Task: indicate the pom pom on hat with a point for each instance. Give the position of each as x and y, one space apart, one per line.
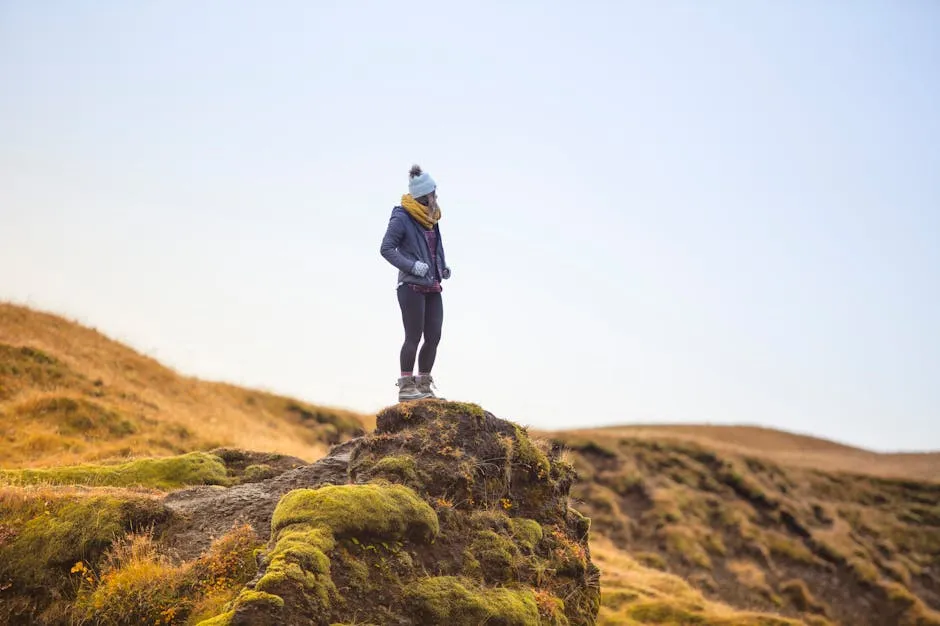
421 183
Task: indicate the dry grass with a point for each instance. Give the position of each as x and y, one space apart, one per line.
634 594
44 531
791 528
69 394
749 532
753 577
140 585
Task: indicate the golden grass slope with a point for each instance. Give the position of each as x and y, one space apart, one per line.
816 546
69 394
635 594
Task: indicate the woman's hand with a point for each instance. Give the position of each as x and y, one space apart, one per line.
446 274
420 269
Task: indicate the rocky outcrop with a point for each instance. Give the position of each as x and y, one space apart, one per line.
445 514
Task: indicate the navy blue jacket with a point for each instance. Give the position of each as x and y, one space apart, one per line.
404 243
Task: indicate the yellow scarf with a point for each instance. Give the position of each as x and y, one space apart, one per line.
420 212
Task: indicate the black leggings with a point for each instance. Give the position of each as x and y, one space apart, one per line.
421 313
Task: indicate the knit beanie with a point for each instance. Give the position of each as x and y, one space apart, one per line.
421 183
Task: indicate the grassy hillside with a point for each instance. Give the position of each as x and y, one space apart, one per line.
819 546
690 524
444 515
69 394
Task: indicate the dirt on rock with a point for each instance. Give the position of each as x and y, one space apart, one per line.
206 512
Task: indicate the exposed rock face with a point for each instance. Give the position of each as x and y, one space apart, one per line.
444 515
206 512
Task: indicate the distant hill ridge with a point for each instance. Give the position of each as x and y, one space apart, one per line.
781 446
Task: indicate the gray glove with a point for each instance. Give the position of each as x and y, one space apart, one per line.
420 269
446 273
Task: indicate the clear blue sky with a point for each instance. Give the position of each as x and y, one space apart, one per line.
723 212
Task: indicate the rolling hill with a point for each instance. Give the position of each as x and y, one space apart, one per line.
70 394
819 545
101 447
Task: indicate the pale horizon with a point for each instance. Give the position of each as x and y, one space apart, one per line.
656 213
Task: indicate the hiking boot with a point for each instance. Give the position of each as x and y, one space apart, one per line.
424 383
407 390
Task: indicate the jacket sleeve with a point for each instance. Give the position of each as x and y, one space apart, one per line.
394 235
445 272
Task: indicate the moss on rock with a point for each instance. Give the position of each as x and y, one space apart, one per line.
527 532
48 533
528 455
496 554
305 527
389 511
54 533
139 584
219 620
459 602
195 468
451 516
401 466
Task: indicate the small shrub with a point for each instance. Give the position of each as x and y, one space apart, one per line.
528 455
800 597
683 542
651 559
258 472
51 532
138 585
551 608
787 547
751 577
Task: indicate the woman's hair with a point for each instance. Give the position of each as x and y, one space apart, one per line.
415 171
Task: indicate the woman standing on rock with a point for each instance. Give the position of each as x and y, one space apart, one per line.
412 243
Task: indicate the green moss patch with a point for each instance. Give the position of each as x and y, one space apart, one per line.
389 511
453 515
400 466
459 602
305 526
195 468
51 533
137 584
529 456
219 620
497 556
527 532
46 534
